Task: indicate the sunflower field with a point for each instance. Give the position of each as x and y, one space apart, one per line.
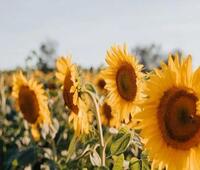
119 116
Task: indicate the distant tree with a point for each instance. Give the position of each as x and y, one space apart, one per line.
44 57
151 56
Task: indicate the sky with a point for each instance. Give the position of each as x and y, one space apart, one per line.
87 28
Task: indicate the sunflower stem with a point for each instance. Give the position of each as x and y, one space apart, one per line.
99 125
54 150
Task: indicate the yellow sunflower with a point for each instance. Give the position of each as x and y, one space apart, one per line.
100 83
170 119
68 76
108 115
123 79
32 102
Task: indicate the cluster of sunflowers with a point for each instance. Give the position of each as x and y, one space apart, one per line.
117 118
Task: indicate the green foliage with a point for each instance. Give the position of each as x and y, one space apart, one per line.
135 164
72 147
118 162
15 157
120 142
90 87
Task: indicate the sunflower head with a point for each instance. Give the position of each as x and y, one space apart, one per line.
123 79
170 119
68 76
108 115
100 84
31 101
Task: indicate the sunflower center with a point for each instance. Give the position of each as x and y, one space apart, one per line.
126 82
67 95
178 121
101 84
28 104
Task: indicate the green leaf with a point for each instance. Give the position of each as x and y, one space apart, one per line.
72 147
27 156
123 130
10 156
135 164
144 155
118 162
120 145
90 87
95 159
145 165
14 157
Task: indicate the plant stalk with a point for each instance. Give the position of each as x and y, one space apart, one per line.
99 125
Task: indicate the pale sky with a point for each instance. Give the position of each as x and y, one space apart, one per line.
87 28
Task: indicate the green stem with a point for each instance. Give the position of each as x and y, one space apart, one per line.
71 148
54 150
99 125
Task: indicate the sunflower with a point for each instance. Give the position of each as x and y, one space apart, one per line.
100 83
68 76
108 115
123 79
32 102
170 119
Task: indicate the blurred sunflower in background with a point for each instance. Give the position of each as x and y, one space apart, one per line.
37 74
170 120
123 79
68 75
108 115
32 102
87 75
100 84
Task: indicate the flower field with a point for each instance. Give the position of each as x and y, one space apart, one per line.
118 116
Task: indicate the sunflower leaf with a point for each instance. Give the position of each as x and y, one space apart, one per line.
145 165
95 159
135 164
22 158
72 147
119 145
90 87
118 162
28 156
10 155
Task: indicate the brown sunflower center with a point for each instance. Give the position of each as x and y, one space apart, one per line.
28 104
107 111
126 82
67 95
101 84
178 121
